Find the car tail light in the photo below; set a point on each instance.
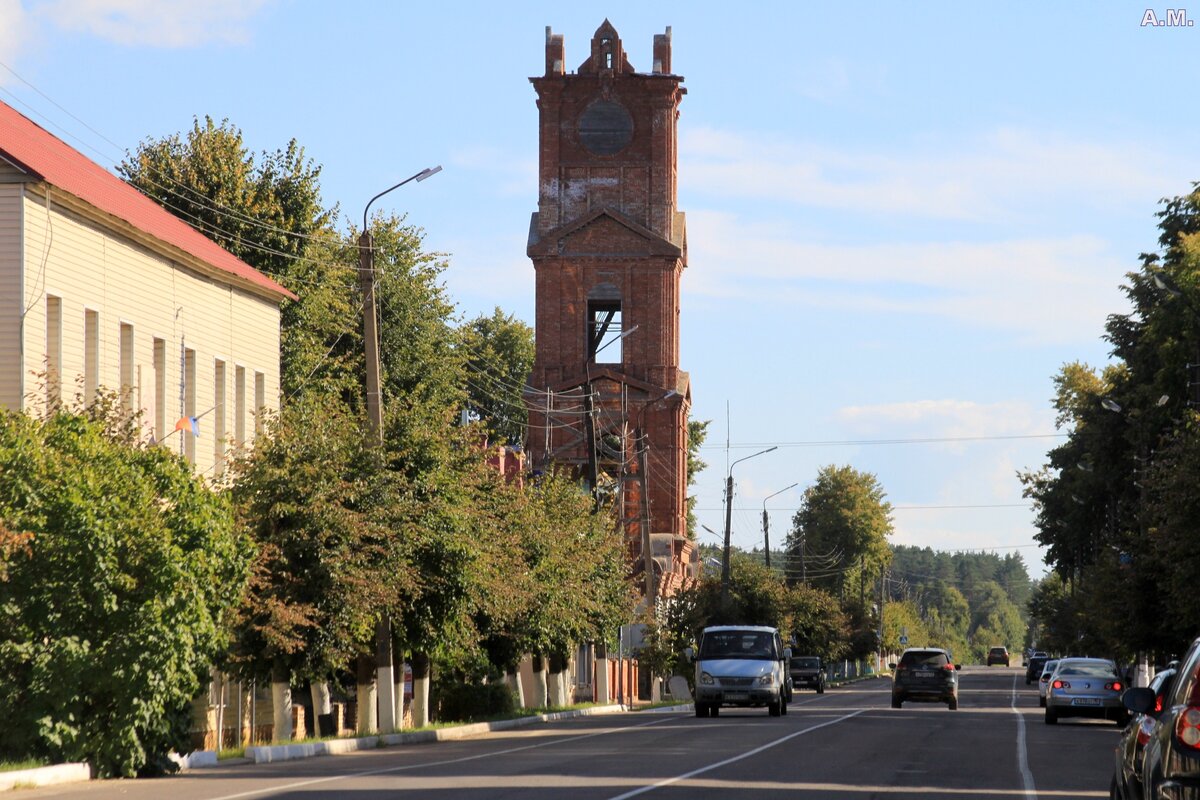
(1115, 686)
(948, 667)
(1187, 728)
(1061, 685)
(1158, 703)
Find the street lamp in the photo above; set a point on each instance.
(766, 537)
(729, 521)
(385, 684)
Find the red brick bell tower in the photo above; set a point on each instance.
(609, 246)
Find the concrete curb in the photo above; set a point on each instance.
(45, 776)
(289, 752)
(265, 754)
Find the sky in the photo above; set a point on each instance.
(903, 218)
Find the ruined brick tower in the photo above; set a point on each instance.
(609, 246)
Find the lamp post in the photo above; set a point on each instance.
(384, 681)
(766, 536)
(729, 521)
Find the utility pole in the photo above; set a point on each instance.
(589, 431)
(766, 535)
(385, 685)
(766, 523)
(647, 554)
(729, 523)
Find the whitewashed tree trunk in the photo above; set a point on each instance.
(539, 699)
(512, 678)
(420, 699)
(365, 696)
(600, 679)
(281, 704)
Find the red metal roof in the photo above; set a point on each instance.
(36, 151)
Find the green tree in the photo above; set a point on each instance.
(697, 433)
(115, 598)
(262, 209)
(499, 357)
(845, 519)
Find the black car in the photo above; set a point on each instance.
(1171, 759)
(997, 655)
(1127, 774)
(808, 671)
(1033, 670)
(925, 675)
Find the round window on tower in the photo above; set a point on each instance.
(605, 128)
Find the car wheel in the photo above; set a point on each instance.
(821, 689)
(714, 710)
(701, 710)
(1042, 702)
(896, 702)
(1114, 791)
(953, 704)
(783, 708)
(1051, 716)
(775, 707)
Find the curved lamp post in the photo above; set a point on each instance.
(729, 521)
(384, 681)
(766, 536)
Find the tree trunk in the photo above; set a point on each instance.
(557, 681)
(322, 709)
(365, 668)
(600, 675)
(281, 702)
(422, 669)
(539, 682)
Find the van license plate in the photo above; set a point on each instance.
(736, 697)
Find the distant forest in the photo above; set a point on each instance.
(966, 602)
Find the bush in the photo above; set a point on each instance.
(118, 568)
(466, 702)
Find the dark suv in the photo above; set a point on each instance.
(998, 655)
(1171, 758)
(1033, 670)
(925, 675)
(808, 671)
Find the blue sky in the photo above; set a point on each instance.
(902, 218)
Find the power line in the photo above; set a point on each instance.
(871, 442)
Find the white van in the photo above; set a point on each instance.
(741, 665)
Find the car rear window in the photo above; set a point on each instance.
(1097, 670)
(998, 651)
(924, 658)
(806, 663)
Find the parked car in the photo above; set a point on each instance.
(808, 671)
(925, 675)
(1044, 679)
(1127, 773)
(741, 665)
(997, 655)
(1033, 670)
(1171, 758)
(1086, 687)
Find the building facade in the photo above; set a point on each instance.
(102, 289)
(609, 246)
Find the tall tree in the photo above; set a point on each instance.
(844, 518)
(499, 357)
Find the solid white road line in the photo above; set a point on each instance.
(1022, 750)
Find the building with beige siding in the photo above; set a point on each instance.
(100, 287)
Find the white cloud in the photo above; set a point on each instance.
(948, 418)
(1004, 175)
(14, 32)
(158, 23)
(1042, 289)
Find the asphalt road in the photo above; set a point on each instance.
(847, 743)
